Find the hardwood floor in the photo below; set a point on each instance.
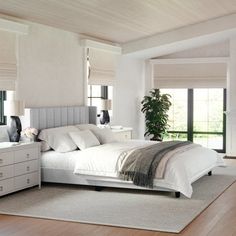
(219, 219)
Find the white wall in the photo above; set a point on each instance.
(128, 93)
(231, 101)
(50, 67)
(51, 74)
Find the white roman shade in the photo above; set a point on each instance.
(199, 75)
(8, 60)
(102, 67)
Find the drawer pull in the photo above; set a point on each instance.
(27, 155)
(28, 181)
(1, 174)
(1, 188)
(1, 161)
(28, 168)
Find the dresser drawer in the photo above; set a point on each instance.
(26, 155)
(26, 167)
(6, 172)
(27, 180)
(6, 186)
(6, 158)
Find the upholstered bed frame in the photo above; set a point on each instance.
(50, 117)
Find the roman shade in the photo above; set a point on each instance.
(8, 60)
(102, 65)
(199, 75)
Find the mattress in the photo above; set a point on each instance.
(62, 161)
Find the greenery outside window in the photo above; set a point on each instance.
(197, 115)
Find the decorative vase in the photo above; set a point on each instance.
(15, 129)
(104, 117)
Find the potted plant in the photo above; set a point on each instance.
(155, 108)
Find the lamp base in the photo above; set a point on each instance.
(15, 129)
(104, 117)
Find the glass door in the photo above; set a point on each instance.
(197, 115)
(178, 114)
(208, 118)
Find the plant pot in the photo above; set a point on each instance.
(156, 139)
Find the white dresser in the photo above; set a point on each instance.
(123, 134)
(19, 167)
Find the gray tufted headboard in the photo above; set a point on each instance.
(50, 117)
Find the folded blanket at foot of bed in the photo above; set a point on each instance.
(141, 164)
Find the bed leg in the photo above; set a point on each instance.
(177, 194)
(98, 188)
(210, 173)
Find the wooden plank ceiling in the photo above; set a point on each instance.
(117, 21)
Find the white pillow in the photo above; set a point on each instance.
(84, 139)
(44, 146)
(104, 135)
(4, 137)
(58, 138)
(86, 126)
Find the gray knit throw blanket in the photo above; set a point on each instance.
(141, 164)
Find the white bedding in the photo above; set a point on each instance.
(181, 171)
(62, 161)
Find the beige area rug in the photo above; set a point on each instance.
(119, 207)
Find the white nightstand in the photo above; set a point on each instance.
(123, 134)
(19, 167)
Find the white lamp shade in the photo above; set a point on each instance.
(14, 108)
(105, 104)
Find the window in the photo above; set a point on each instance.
(98, 92)
(177, 114)
(208, 118)
(197, 115)
(2, 117)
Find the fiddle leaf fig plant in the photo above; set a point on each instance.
(155, 108)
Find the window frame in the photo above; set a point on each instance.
(104, 93)
(190, 120)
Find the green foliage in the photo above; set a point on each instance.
(155, 108)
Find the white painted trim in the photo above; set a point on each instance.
(87, 43)
(85, 76)
(14, 27)
(183, 38)
(232, 112)
(188, 78)
(206, 60)
(149, 75)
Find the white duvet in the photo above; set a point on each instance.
(181, 170)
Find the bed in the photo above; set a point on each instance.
(103, 166)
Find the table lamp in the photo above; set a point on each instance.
(14, 109)
(104, 116)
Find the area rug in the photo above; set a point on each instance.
(119, 207)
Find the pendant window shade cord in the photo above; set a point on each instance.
(88, 64)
